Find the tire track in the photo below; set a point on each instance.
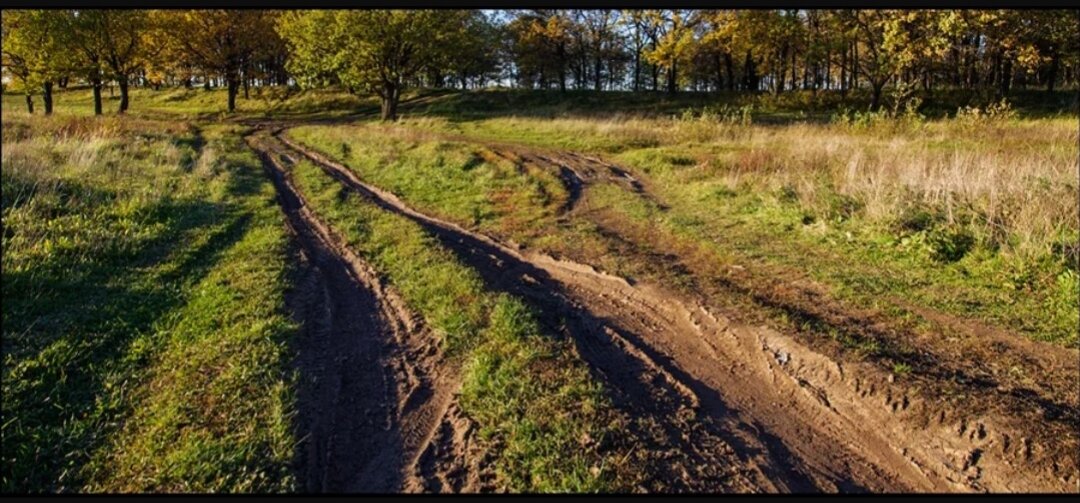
(376, 399)
(690, 430)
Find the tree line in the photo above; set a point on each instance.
(911, 53)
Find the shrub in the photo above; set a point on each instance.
(950, 243)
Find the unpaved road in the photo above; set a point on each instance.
(376, 398)
(718, 406)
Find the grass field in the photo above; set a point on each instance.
(147, 344)
(926, 211)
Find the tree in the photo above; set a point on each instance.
(367, 51)
(879, 62)
(119, 36)
(33, 51)
(467, 52)
(222, 42)
(599, 29)
(676, 42)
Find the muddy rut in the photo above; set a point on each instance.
(376, 399)
(719, 406)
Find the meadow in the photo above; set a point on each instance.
(148, 343)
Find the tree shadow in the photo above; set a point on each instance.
(75, 337)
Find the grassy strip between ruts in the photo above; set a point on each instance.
(144, 324)
(533, 401)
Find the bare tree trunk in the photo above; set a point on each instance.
(672, 79)
(1005, 75)
(843, 73)
(95, 82)
(637, 70)
(29, 103)
(390, 97)
(46, 97)
(1055, 61)
(122, 80)
(598, 70)
(730, 71)
(234, 87)
(875, 99)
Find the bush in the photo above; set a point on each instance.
(916, 218)
(841, 207)
(950, 243)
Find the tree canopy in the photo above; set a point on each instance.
(891, 55)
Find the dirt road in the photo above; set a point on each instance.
(376, 397)
(714, 405)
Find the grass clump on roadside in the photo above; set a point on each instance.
(143, 315)
(530, 397)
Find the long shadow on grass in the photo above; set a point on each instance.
(56, 407)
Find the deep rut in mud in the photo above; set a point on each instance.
(376, 400)
(718, 406)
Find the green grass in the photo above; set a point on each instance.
(209, 105)
(878, 212)
(143, 314)
(531, 398)
(145, 344)
(460, 181)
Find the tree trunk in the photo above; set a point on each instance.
(730, 71)
(46, 97)
(123, 82)
(96, 83)
(390, 98)
(1055, 61)
(875, 99)
(843, 72)
(598, 67)
(637, 70)
(750, 81)
(854, 74)
(1005, 75)
(29, 103)
(247, 96)
(672, 77)
(234, 87)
